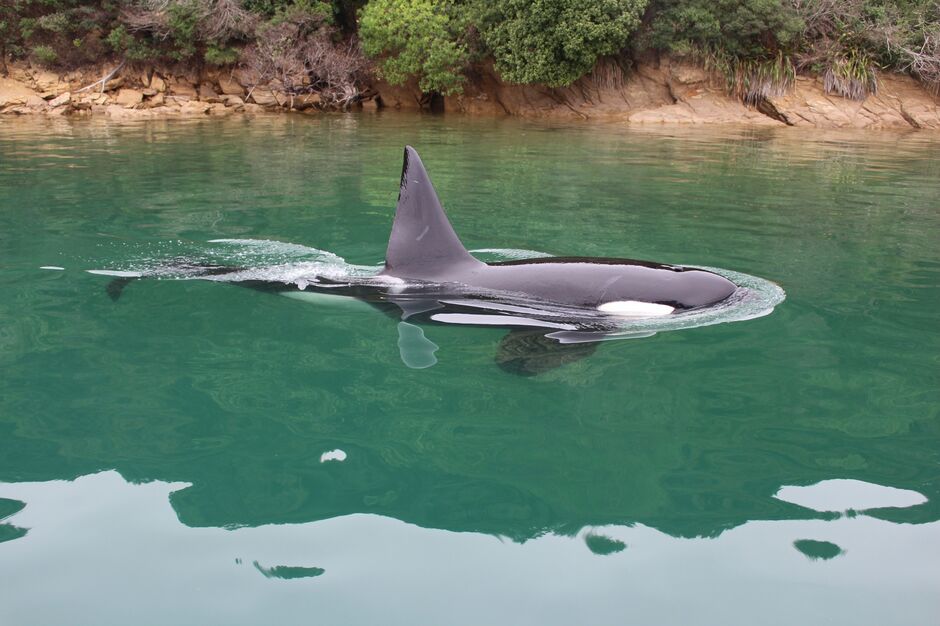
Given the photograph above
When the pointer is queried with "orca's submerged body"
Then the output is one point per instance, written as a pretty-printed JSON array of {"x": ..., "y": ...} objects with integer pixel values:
[{"x": 556, "y": 308}]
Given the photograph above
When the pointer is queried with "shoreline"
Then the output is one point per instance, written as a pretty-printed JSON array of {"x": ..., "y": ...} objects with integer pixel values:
[{"x": 662, "y": 92}]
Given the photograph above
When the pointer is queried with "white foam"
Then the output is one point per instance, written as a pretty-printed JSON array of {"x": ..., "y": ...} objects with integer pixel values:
[
  {"x": 51, "y": 267},
  {"x": 333, "y": 455},
  {"x": 117, "y": 273}
]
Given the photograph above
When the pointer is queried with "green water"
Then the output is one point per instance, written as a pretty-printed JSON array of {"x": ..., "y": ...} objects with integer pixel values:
[{"x": 167, "y": 447}]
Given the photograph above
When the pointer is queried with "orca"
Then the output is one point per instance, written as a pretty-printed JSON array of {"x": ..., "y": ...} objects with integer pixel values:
[
  {"x": 424, "y": 247},
  {"x": 557, "y": 308}
]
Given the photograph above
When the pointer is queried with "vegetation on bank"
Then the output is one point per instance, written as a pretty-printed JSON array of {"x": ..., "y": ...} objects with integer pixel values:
[{"x": 332, "y": 48}]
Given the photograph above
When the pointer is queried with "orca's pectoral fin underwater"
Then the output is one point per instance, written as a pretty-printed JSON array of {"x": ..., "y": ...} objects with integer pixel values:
[{"x": 528, "y": 352}]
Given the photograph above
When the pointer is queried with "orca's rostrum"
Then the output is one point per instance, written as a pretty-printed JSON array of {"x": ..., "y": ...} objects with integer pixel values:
[{"x": 556, "y": 308}]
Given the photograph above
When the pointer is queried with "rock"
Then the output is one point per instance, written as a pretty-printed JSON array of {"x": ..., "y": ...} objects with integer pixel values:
[
  {"x": 46, "y": 80},
  {"x": 156, "y": 82},
  {"x": 704, "y": 107},
  {"x": 20, "y": 73},
  {"x": 145, "y": 77},
  {"x": 246, "y": 78},
  {"x": 101, "y": 98},
  {"x": 194, "y": 107},
  {"x": 129, "y": 98},
  {"x": 13, "y": 92},
  {"x": 149, "y": 92},
  {"x": 687, "y": 74},
  {"x": 116, "y": 110},
  {"x": 219, "y": 109},
  {"x": 230, "y": 86},
  {"x": 35, "y": 102},
  {"x": 900, "y": 103},
  {"x": 306, "y": 101},
  {"x": 372, "y": 104},
  {"x": 232, "y": 101},
  {"x": 156, "y": 100},
  {"x": 62, "y": 100},
  {"x": 182, "y": 88},
  {"x": 114, "y": 83},
  {"x": 208, "y": 94},
  {"x": 263, "y": 96}
]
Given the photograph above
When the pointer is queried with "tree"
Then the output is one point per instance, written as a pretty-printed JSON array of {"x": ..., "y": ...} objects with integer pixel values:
[
  {"x": 555, "y": 42},
  {"x": 421, "y": 38},
  {"x": 741, "y": 28}
]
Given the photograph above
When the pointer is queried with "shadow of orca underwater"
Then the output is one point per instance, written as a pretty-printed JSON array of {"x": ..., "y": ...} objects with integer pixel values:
[{"x": 557, "y": 309}]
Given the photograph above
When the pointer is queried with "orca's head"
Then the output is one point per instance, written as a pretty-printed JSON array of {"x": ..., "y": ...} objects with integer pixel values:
[{"x": 701, "y": 288}]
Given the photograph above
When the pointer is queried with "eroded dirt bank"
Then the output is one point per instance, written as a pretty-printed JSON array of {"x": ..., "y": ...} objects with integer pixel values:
[
  {"x": 669, "y": 92},
  {"x": 654, "y": 92}
]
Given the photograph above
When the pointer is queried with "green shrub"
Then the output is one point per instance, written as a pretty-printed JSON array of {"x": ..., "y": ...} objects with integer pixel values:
[
  {"x": 220, "y": 55},
  {"x": 555, "y": 42},
  {"x": 739, "y": 28},
  {"x": 419, "y": 38},
  {"x": 130, "y": 47},
  {"x": 45, "y": 55},
  {"x": 54, "y": 22}
]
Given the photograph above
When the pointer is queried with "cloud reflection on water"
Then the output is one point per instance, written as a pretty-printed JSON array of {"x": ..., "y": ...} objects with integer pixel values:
[{"x": 137, "y": 562}]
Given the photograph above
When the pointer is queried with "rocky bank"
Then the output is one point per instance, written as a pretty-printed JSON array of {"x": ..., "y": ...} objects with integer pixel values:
[
  {"x": 661, "y": 91},
  {"x": 142, "y": 93},
  {"x": 665, "y": 91}
]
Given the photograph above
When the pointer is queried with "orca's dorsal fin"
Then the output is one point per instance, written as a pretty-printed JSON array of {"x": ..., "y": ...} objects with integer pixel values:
[{"x": 423, "y": 244}]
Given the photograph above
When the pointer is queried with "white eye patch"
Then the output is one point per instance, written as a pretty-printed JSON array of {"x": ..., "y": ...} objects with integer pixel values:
[{"x": 634, "y": 308}]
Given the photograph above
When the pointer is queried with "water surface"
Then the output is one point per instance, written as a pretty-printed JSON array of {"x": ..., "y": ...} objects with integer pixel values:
[{"x": 198, "y": 453}]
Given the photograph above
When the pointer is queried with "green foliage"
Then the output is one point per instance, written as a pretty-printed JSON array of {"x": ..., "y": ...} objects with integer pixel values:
[
  {"x": 45, "y": 54},
  {"x": 555, "y": 42},
  {"x": 753, "y": 80},
  {"x": 54, "y": 22},
  {"x": 851, "y": 75},
  {"x": 60, "y": 32},
  {"x": 307, "y": 14},
  {"x": 740, "y": 28},
  {"x": 130, "y": 47},
  {"x": 220, "y": 55},
  {"x": 419, "y": 38},
  {"x": 758, "y": 45},
  {"x": 183, "y": 20},
  {"x": 846, "y": 41}
]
